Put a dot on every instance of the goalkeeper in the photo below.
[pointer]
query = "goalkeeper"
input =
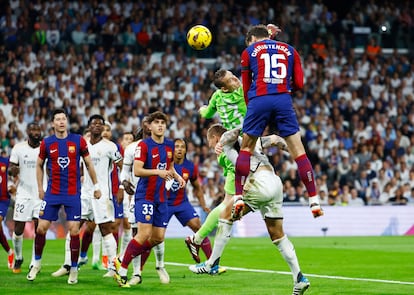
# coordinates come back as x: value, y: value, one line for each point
x: 228, y: 102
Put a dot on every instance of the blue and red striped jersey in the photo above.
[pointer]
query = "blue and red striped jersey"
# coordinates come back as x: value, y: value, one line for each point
x: 270, y: 67
x: 154, y: 156
x: 188, y: 171
x: 63, y: 168
x: 4, y: 164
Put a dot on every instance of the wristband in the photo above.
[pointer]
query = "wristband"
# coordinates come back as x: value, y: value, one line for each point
x: 96, y: 186
x: 121, y: 186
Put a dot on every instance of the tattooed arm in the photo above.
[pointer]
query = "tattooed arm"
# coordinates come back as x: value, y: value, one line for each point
x: 274, y: 140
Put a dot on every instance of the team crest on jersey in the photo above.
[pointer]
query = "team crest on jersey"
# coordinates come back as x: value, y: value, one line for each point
x: 147, y: 217
x: 72, y: 149
x: 3, y: 169
x: 63, y: 162
x: 169, y: 155
x: 185, y: 176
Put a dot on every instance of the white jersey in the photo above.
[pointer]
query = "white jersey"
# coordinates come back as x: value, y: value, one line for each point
x: 103, y: 154
x: 263, y: 189
x: 25, y: 157
x: 258, y: 158
x: 127, y: 173
x: 128, y: 164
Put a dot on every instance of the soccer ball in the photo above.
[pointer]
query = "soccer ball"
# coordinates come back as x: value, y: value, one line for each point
x: 199, y: 37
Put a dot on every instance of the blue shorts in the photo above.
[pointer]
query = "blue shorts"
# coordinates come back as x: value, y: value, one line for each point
x: 275, y: 109
x: 49, y: 209
x: 4, y: 206
x: 150, y: 212
x: 183, y: 212
x: 119, y: 208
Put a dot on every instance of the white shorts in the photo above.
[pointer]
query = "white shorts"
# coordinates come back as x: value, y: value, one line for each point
x: 131, y: 212
x: 98, y: 210
x: 25, y: 209
x: 263, y: 191
x: 125, y: 204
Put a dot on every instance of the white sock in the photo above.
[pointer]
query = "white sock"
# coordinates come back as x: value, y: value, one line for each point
x: 68, y: 259
x: 223, y: 235
x: 197, y: 239
x: 136, y: 265
x: 109, y: 244
x: 159, y: 251
x: 18, y: 245
x: 314, y: 199
x: 287, y: 250
x: 126, y: 238
x: 96, y: 245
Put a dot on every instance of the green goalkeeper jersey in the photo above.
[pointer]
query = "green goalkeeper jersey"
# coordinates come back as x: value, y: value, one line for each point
x: 229, y: 173
x: 230, y: 107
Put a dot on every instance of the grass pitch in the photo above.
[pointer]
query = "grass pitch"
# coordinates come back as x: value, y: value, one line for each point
x: 334, y: 265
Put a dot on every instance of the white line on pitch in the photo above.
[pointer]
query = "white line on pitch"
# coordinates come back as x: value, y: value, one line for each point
x: 307, y: 274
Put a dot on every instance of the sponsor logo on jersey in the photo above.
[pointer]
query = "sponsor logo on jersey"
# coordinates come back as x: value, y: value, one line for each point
x: 63, y: 162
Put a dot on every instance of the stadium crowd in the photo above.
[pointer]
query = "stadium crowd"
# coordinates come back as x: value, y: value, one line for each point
x: 126, y: 59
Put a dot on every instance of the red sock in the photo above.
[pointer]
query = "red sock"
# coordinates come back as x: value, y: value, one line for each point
x: 206, y: 247
x: 242, y: 170
x: 133, y: 250
x: 74, y: 249
x: 144, y: 257
x: 306, y: 174
x: 86, y: 241
x: 40, y: 241
x: 3, y: 241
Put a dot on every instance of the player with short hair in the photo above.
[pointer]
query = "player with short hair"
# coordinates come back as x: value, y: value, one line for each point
x: 129, y: 182
x: 22, y: 167
x: 5, y: 189
x: 121, y: 209
x: 271, y: 70
x: 228, y: 102
x: 104, y: 154
x: 263, y: 191
x: 62, y: 153
x: 178, y: 203
x: 153, y: 163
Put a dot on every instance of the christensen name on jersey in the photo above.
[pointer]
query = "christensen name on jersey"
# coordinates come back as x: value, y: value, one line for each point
x: 271, y: 46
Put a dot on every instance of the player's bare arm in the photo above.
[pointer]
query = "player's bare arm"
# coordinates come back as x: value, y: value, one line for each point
x: 177, y: 176
x: 39, y: 177
x: 229, y: 137
x: 274, y: 140
x: 92, y: 173
x: 199, y: 193
x: 13, y: 170
x: 140, y: 171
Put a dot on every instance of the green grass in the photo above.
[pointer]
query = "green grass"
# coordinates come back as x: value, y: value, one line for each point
x: 334, y: 265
